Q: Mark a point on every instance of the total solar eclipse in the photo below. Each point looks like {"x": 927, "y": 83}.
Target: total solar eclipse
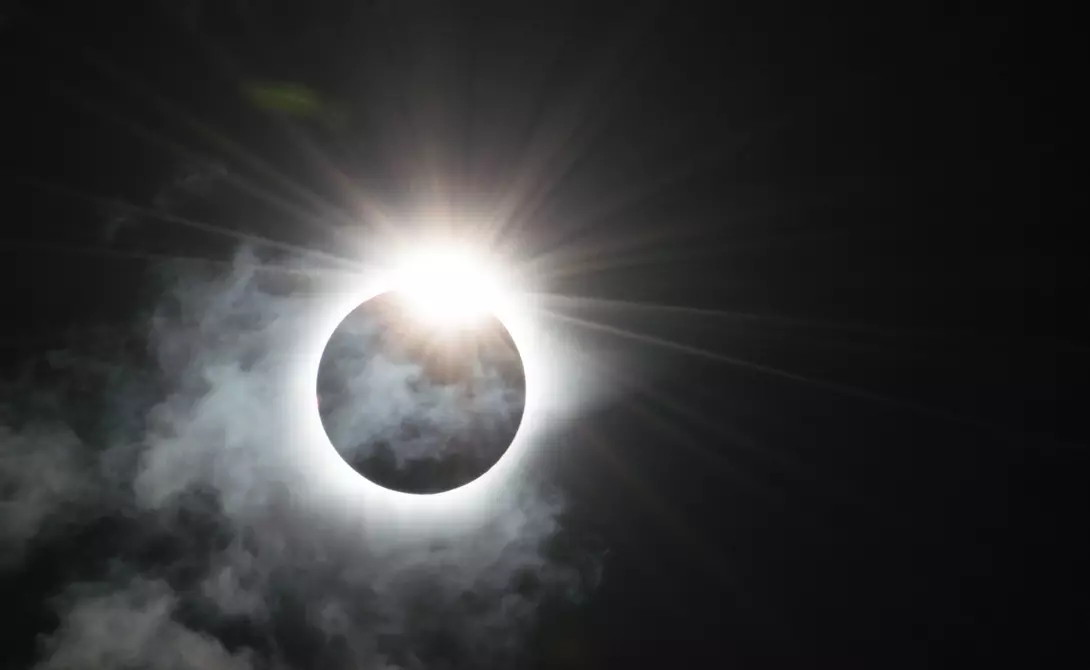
{"x": 418, "y": 397}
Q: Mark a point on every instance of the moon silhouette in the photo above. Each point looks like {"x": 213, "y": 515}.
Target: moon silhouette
{"x": 418, "y": 406}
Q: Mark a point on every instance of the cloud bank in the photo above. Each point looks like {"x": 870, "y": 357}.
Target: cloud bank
{"x": 155, "y": 470}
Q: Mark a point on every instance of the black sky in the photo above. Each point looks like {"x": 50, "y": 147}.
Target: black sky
{"x": 853, "y": 211}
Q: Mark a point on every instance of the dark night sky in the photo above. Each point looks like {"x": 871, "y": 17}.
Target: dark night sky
{"x": 854, "y": 213}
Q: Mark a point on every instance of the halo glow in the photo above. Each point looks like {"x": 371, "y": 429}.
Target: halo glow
{"x": 545, "y": 359}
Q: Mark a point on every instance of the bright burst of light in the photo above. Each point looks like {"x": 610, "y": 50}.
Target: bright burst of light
{"x": 448, "y": 284}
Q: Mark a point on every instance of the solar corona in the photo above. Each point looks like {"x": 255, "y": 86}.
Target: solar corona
{"x": 457, "y": 296}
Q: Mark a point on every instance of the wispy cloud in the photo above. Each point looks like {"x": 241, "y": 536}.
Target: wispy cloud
{"x": 215, "y": 556}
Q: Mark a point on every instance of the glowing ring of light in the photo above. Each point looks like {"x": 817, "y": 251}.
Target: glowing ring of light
{"x": 379, "y": 507}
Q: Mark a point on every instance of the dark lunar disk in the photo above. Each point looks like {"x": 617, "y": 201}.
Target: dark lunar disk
{"x": 415, "y": 406}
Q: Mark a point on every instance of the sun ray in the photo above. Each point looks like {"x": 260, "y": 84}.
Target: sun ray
{"x": 558, "y": 145}
{"x": 563, "y": 301}
{"x": 194, "y": 224}
{"x": 153, "y": 257}
{"x": 843, "y": 389}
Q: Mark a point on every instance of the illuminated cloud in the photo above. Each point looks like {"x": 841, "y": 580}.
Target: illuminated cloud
{"x": 269, "y": 550}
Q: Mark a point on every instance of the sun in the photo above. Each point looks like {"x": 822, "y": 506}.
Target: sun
{"x": 450, "y": 282}
{"x": 450, "y": 285}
